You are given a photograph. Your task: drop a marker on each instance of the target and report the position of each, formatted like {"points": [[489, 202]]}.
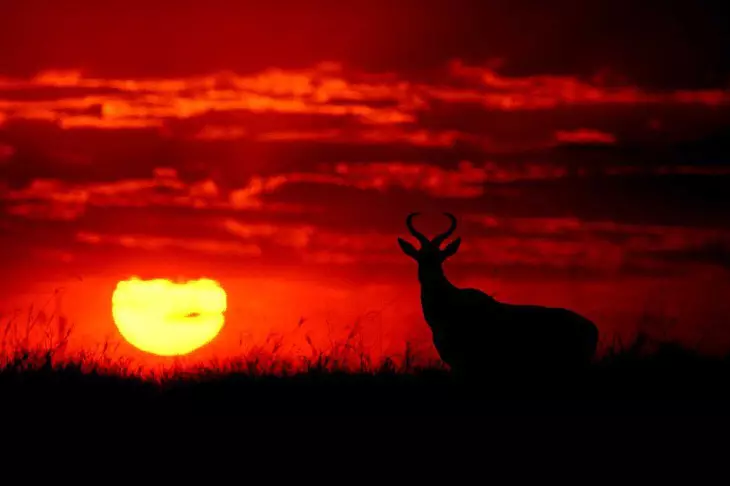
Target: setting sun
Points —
{"points": [[168, 318]]}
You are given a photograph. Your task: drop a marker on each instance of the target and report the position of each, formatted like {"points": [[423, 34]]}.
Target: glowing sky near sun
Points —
{"points": [[276, 147]]}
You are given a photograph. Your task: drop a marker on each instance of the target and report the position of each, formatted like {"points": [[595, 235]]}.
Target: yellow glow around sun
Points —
{"points": [[168, 318]]}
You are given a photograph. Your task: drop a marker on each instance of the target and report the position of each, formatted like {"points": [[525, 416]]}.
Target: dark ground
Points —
{"points": [[668, 381]]}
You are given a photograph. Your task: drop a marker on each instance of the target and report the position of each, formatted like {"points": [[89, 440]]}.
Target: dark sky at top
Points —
{"points": [[663, 44]]}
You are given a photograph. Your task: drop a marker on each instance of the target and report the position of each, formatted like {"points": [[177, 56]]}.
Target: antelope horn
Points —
{"points": [[419, 236], [437, 240]]}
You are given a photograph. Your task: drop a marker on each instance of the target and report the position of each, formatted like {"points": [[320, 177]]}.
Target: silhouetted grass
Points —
{"points": [[643, 377], [671, 380]]}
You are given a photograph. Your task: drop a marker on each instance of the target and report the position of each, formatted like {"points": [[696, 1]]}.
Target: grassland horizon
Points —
{"points": [[645, 376]]}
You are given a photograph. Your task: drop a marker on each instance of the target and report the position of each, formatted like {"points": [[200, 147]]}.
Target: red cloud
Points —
{"points": [[146, 242], [466, 180], [549, 91], [285, 235], [584, 135], [325, 89], [57, 211], [56, 199], [6, 151]]}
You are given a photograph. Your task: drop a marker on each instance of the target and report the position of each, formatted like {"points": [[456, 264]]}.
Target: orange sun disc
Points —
{"points": [[168, 318]]}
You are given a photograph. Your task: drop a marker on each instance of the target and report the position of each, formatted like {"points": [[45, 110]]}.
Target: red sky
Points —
{"points": [[277, 147]]}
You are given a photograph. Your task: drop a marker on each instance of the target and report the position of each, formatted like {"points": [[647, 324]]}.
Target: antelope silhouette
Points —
{"points": [[474, 333]]}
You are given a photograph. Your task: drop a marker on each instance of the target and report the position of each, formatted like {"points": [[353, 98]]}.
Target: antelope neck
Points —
{"points": [[433, 279], [435, 292]]}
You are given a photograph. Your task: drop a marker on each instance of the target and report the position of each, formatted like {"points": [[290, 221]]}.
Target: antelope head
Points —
{"points": [[430, 256]]}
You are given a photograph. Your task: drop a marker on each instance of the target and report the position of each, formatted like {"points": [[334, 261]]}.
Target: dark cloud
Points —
{"points": [[711, 253], [692, 200]]}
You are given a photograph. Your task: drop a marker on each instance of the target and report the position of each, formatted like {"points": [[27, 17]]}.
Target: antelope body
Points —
{"points": [[473, 332]]}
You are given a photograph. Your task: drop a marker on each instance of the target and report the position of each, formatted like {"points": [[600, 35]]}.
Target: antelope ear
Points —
{"points": [[407, 248], [450, 248]]}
